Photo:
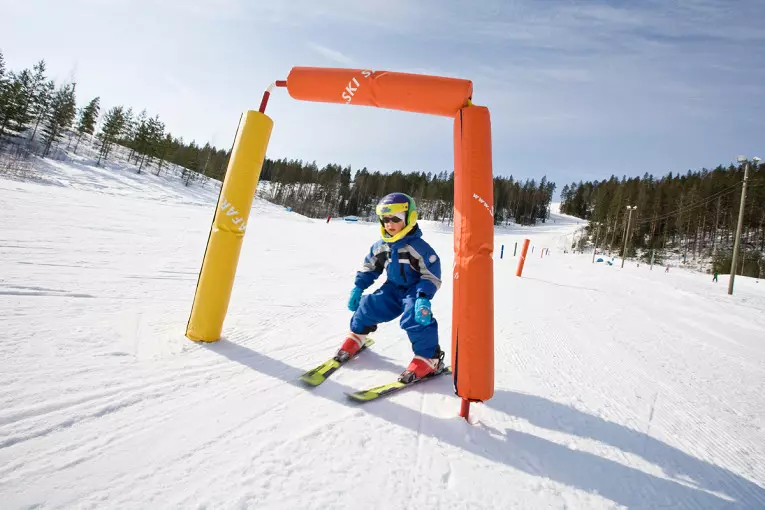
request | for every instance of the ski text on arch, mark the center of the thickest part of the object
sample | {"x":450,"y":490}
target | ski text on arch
{"x":353,"y":86}
{"x":485,"y":204}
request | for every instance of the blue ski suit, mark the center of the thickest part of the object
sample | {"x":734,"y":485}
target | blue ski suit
{"x":413,"y":270}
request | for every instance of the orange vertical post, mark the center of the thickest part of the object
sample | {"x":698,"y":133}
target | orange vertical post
{"x":525,"y":248}
{"x":473,"y":301}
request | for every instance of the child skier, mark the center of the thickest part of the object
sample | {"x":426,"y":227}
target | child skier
{"x":413,"y":272}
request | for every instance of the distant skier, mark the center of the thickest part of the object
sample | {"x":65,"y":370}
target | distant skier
{"x":413,"y":272}
{"x":667,"y":270}
{"x":714,"y":279}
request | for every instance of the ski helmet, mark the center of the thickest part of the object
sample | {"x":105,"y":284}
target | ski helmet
{"x":397,"y":203}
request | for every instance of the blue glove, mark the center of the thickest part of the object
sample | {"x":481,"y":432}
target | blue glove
{"x":355,"y":299}
{"x":422,"y":313}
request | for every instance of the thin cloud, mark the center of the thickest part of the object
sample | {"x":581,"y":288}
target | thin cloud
{"x":334,"y":55}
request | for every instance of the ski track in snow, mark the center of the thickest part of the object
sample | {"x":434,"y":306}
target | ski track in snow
{"x":614,"y":387}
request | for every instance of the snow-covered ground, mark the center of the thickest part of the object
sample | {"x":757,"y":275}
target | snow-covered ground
{"x":614,"y":387}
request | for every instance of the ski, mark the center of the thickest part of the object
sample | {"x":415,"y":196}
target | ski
{"x":387,"y":389}
{"x":318,"y":375}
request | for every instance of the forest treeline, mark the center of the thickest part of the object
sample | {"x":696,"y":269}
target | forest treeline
{"x":334,"y":190}
{"x":693,"y":215}
{"x":40,"y":116}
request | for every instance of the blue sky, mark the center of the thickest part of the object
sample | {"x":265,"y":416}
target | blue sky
{"x":577,"y":90}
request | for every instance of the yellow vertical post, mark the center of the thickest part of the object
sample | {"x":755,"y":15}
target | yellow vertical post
{"x":216,"y":278}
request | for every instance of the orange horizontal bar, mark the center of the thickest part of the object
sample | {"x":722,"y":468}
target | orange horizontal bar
{"x":434,"y":95}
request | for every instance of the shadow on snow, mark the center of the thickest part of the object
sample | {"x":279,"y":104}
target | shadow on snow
{"x":536,"y":456}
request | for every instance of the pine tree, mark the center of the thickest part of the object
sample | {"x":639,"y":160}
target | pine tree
{"x":128,"y":129}
{"x":165,"y":145}
{"x":151,"y":135}
{"x":87,"y":121}
{"x":40,"y":96}
{"x":113,"y":127}
{"x":60,"y":116}
{"x":2,"y":71}
{"x":43,"y":100}
{"x":156,"y":135}
{"x":137,"y":136}
{"x":23,"y":100}
{"x":4,"y":98}
{"x":10,"y":101}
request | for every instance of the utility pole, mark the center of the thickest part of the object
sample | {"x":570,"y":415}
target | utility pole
{"x":624,"y":238}
{"x":595,"y":248}
{"x":737,"y":240}
{"x":630,"y":208}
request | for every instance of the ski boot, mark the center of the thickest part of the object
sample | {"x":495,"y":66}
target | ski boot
{"x":420,"y":367}
{"x":351,"y":346}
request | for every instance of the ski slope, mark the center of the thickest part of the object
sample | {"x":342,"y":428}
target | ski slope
{"x":615,"y":388}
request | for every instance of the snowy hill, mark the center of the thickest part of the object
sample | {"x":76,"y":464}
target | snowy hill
{"x":614,"y":388}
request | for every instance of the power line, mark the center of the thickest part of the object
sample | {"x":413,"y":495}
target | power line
{"x":719,"y":194}
{"x":699,"y":203}
{"x":693,"y":205}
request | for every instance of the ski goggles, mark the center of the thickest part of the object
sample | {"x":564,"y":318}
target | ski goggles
{"x":391,"y":219}
{"x":384,"y":209}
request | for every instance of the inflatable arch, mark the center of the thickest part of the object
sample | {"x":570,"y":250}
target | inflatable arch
{"x":473,"y":292}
